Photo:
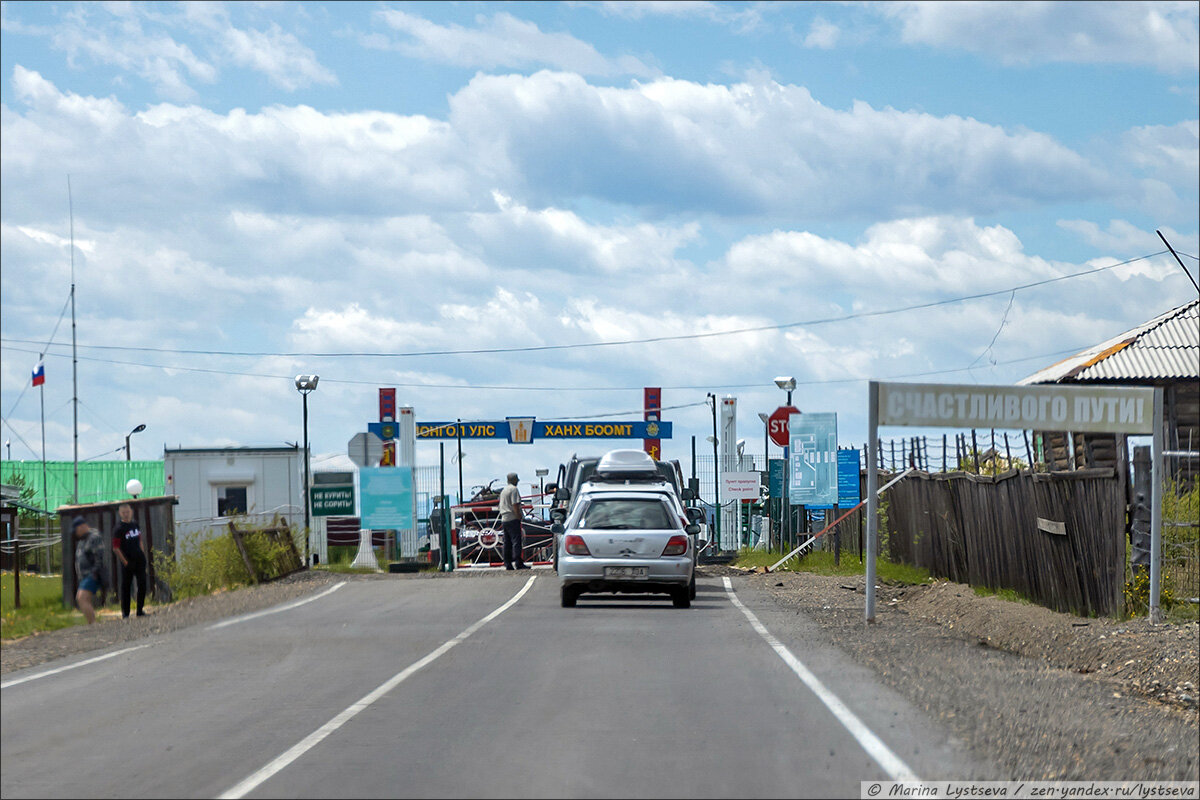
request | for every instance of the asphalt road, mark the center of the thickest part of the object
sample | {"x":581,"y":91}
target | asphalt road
{"x":468,"y":687}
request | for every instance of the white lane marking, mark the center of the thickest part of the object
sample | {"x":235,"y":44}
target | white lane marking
{"x":49,"y":672}
{"x":896,"y":769}
{"x":317,"y":736}
{"x":277,"y":609}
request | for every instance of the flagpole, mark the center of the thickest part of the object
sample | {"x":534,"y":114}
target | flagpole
{"x":74,"y":357}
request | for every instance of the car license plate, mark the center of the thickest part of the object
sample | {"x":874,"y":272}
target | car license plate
{"x":625,"y":573}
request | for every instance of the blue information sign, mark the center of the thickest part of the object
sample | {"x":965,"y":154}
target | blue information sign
{"x":386,"y":498}
{"x":813,"y":439}
{"x":775,"y":477}
{"x":848,"y":479}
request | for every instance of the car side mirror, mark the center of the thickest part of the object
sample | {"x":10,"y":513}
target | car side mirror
{"x":688,"y":495}
{"x":695,"y":515}
{"x":562,"y":494}
{"x":691,"y":529}
{"x":557,"y":527}
{"x":550,"y":488}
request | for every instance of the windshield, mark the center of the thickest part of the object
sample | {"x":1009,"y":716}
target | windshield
{"x":626,"y":514}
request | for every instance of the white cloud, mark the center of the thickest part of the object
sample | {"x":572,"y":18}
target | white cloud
{"x":741,"y":17}
{"x":501,"y":40}
{"x":116,"y":36}
{"x":278,"y":55}
{"x":1162,"y":35}
{"x":823,"y":35}
{"x":142,"y":40}
{"x":752,"y":148}
{"x":1170,"y":152}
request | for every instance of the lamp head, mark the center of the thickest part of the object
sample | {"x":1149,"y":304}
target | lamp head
{"x":710,"y":439}
{"x":786,"y":382}
{"x":307,"y":383}
{"x":764,"y":416}
{"x":138,"y":429}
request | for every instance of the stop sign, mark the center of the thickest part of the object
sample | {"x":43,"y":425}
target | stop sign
{"x":777,"y":424}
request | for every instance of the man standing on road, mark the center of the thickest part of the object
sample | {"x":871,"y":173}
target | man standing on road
{"x":127,"y":544}
{"x":89,"y":567}
{"x":510,"y":521}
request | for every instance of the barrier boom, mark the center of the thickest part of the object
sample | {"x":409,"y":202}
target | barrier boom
{"x":831,"y":525}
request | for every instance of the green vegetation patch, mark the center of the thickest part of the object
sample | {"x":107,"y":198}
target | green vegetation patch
{"x":820,"y":562}
{"x":41,"y":606}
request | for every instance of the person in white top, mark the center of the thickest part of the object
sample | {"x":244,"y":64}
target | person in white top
{"x":510,"y":520}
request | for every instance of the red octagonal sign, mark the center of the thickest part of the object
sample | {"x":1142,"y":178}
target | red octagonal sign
{"x":777,"y":424}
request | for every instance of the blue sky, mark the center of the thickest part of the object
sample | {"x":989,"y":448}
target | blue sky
{"x":314,"y":178}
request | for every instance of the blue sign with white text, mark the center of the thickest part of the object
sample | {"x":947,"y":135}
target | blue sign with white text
{"x":386,"y":498}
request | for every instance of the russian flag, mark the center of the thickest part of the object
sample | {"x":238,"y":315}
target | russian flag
{"x":39,"y":373}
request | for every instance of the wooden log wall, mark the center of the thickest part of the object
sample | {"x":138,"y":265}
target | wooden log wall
{"x":985,"y":531}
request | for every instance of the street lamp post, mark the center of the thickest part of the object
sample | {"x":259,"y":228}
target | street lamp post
{"x":716,"y":478}
{"x":138,"y":429}
{"x":788,"y":384}
{"x":306,"y":384}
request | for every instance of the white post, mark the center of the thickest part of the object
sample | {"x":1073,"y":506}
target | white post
{"x":1156,"y":490}
{"x":872,"y":499}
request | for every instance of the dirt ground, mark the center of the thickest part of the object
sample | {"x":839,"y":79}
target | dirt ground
{"x":1032,"y":693}
{"x":1159,"y":662}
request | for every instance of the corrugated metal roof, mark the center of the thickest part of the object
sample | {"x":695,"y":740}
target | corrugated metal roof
{"x":1165,"y":348}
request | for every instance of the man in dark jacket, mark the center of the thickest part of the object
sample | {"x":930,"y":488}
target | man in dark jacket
{"x":89,"y":567}
{"x":127,"y":545}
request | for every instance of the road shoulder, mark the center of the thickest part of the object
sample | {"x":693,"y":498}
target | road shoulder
{"x":1033,"y":719}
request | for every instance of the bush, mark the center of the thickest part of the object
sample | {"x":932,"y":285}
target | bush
{"x":204,"y":564}
{"x":1137,"y":593}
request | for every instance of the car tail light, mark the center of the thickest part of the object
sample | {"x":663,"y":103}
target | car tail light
{"x":676,"y":546}
{"x":576,"y":546}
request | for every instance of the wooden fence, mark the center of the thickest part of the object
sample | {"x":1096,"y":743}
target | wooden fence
{"x":1056,"y":538}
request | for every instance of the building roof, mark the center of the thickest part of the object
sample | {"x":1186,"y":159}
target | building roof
{"x":1166,"y":348}
{"x":235,"y":450}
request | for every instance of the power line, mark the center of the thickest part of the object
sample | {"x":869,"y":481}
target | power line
{"x":485,"y":387}
{"x":619,"y":342}
{"x":43,"y":352}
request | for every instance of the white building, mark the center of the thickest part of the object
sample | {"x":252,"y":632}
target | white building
{"x":214,"y":483}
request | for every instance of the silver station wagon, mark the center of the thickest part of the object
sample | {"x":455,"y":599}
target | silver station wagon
{"x":627,"y":532}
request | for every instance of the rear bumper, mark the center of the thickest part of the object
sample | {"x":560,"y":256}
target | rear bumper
{"x":662,"y":574}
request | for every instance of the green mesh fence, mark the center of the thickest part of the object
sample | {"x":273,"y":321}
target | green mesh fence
{"x":99,"y":481}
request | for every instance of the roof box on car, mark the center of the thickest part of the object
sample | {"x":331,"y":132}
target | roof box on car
{"x":629,"y":464}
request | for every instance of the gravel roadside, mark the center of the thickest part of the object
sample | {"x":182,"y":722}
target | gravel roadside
{"x":1037,"y":693}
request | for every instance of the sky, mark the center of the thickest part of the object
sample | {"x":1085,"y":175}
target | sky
{"x":260,"y":189}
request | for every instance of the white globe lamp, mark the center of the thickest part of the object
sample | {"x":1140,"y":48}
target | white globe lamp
{"x":134,"y":487}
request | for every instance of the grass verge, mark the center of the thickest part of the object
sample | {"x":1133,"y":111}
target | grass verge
{"x":41,"y":606}
{"x":821,"y":563}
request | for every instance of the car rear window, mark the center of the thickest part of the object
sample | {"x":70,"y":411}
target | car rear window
{"x":625,"y":514}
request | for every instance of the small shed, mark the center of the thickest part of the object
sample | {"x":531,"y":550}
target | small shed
{"x":155,"y":517}
{"x":1164,"y":352}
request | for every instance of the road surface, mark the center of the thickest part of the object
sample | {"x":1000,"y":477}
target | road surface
{"x":469,"y":686}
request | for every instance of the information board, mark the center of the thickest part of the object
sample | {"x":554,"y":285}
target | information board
{"x":387,"y":498}
{"x":813,"y":479}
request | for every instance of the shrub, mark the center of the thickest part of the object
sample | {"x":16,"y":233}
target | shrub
{"x":1137,"y":593}
{"x":204,"y":564}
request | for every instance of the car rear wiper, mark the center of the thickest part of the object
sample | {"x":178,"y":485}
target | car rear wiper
{"x":611,"y":527}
